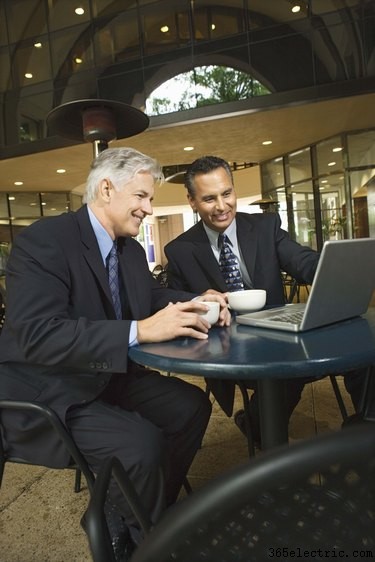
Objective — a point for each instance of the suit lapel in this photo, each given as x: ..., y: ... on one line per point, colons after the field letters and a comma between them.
x: 91, y: 252
x: 247, y: 240
x: 204, y: 256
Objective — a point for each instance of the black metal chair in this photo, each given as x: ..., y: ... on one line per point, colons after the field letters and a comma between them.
x: 78, y: 462
x: 316, y: 496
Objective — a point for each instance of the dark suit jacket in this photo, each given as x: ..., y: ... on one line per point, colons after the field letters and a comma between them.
x: 58, y: 345
x: 267, y: 250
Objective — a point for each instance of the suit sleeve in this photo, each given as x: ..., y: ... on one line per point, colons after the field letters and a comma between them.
x: 57, y: 319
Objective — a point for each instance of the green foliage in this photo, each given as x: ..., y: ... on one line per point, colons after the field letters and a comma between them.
x: 207, y: 85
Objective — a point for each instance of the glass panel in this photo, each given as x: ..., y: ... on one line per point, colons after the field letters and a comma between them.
x: 3, y: 205
x: 333, y: 206
x: 32, y: 111
x: 5, y: 77
x: 267, y: 14
x: 300, y: 165
x: 361, y: 149
x: 3, y: 28
x: 66, y: 13
x: 213, y: 19
x: 330, y: 156
x: 54, y: 203
x: 117, y: 41
x: 286, y: 62
x: 272, y: 174
x: 303, y: 213
x: 71, y: 51
x: 24, y: 205
x: 32, y: 62
x: 362, y: 183
x: 164, y: 28
x: 324, y: 6
x: 107, y: 7
x: 25, y: 18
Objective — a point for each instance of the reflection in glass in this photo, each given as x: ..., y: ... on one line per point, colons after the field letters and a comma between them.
x: 117, y: 41
x: 272, y: 174
x: 54, y: 203
x: 361, y: 148
x: 66, y: 13
x: 26, y: 18
x: 32, y: 63
x: 5, y: 77
x: 3, y: 205
x: 330, y: 155
x: 332, y: 202
x: 72, y: 51
x: 302, y: 199
x: 300, y: 165
x: 24, y: 205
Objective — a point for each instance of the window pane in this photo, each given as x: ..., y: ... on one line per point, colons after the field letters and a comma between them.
x: 118, y: 40
x: 24, y: 205
x: 303, y: 213
x: 272, y: 174
x: 66, y: 13
x: 5, y: 77
x: 3, y: 205
x: 3, y: 29
x: 54, y: 203
x: 71, y: 51
x: 32, y: 111
x: 330, y: 156
x: 333, y: 206
x: 300, y: 165
x: 26, y: 18
x: 164, y: 28
x: 361, y: 149
x: 32, y: 62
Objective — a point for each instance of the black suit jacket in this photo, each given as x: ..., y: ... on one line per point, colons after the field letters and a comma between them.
x: 61, y: 342
x: 267, y: 250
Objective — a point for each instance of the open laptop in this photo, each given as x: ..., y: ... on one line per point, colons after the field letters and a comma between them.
x: 342, y: 288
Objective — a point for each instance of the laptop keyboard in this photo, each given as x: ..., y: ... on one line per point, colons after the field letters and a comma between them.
x: 290, y: 317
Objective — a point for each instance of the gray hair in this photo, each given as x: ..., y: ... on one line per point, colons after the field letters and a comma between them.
x: 204, y: 165
x: 119, y: 166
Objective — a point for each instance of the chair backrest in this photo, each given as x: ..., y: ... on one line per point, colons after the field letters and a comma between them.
x: 307, y: 499
x: 78, y: 461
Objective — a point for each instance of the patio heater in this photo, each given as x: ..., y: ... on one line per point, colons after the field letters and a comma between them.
x: 97, y: 121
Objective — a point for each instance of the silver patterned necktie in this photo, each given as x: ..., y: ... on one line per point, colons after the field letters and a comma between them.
x: 229, y: 266
x: 112, y: 268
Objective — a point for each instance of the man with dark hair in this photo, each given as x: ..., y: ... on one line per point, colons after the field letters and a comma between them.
x: 260, y: 249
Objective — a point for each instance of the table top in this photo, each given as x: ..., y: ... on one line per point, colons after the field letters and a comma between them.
x: 244, y: 352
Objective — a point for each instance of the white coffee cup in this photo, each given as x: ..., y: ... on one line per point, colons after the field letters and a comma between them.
x: 213, y: 312
x: 248, y: 300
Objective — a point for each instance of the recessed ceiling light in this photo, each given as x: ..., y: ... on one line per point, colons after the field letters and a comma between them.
x: 79, y: 11
x: 164, y: 29
x: 331, y: 163
x: 38, y: 45
x: 296, y: 8
x: 188, y: 148
x: 11, y: 198
x: 28, y: 75
x: 44, y: 203
x: 18, y: 183
x: 78, y: 60
x: 337, y: 149
x: 267, y: 142
x: 324, y: 181
x: 32, y: 204
x: 61, y: 171
x: 213, y: 27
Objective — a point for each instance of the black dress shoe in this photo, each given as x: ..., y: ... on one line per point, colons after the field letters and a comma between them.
x: 239, y: 420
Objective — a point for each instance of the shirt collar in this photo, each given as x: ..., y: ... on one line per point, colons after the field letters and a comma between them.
x: 104, y: 240
x: 213, y: 235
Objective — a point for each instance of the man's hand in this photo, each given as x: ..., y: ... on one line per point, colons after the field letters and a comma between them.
x: 212, y: 295
x: 173, y: 321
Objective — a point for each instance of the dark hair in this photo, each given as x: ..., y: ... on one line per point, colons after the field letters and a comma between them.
x: 204, y: 165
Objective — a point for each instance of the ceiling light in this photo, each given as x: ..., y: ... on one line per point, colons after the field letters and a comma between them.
x: 28, y: 75
x: 331, y: 163
x: 324, y: 181
x: 265, y: 143
x: 188, y: 148
x: 44, y: 203
x: 78, y: 60
x: 296, y: 8
x: 164, y: 29
x: 32, y: 204
x: 18, y: 183
x: 79, y: 11
x: 61, y: 171
x: 11, y: 198
x: 337, y: 149
x: 213, y: 27
x: 38, y: 45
